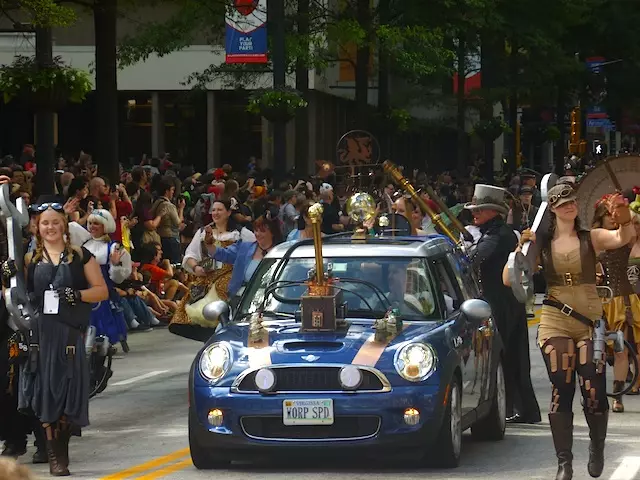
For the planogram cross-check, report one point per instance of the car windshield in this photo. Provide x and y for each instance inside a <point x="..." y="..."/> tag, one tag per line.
<point x="370" y="287"/>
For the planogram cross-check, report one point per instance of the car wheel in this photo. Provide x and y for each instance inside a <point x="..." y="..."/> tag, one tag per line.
<point x="448" y="444"/>
<point x="492" y="427"/>
<point x="201" y="458"/>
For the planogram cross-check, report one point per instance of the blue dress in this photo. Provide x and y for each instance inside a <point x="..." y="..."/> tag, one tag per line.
<point x="108" y="316"/>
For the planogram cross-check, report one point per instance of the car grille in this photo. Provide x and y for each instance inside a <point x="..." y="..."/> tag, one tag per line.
<point x="343" y="428"/>
<point x="311" y="379"/>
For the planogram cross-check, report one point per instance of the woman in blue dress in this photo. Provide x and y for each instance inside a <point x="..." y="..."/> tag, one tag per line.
<point x="115" y="263"/>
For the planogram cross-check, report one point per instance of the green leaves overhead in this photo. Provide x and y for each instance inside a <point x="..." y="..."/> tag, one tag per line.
<point x="40" y="13"/>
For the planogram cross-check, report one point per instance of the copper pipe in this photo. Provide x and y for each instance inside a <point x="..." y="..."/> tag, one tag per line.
<point x="315" y="215"/>
<point x="394" y="171"/>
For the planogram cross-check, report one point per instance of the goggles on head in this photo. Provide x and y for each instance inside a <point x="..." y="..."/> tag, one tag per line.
<point x="58" y="207"/>
<point x="566" y="191"/>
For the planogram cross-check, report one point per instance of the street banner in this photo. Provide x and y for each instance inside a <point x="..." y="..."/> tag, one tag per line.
<point x="246" y="31"/>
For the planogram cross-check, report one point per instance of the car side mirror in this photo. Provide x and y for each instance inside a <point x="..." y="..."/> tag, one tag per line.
<point x="475" y="311"/>
<point x="217" y="311"/>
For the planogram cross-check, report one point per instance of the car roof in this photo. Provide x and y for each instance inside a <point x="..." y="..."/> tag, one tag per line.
<point x="344" y="246"/>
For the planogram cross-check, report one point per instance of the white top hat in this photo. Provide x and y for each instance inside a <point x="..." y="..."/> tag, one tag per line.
<point x="488" y="197"/>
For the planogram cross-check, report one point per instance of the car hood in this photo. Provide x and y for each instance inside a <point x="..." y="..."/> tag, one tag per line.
<point x="284" y="343"/>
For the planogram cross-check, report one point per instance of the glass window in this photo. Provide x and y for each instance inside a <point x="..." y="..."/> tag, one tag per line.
<point x="448" y="286"/>
<point x="370" y="286"/>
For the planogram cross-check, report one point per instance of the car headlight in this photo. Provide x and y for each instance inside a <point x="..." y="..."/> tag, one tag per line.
<point x="415" y="362"/>
<point x="215" y="361"/>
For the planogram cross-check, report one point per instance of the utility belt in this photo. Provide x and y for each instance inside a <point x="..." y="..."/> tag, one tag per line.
<point x="566" y="280"/>
<point x="568" y="311"/>
<point x="33" y="350"/>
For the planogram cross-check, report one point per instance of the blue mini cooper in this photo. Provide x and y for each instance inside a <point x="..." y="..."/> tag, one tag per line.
<point x="412" y="360"/>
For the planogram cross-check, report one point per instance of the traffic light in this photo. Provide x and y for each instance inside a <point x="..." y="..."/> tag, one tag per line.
<point x="575" y="146"/>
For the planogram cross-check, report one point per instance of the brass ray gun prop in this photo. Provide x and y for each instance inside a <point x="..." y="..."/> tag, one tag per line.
<point x="15" y="218"/>
<point x="522" y="265"/>
<point x="453" y="233"/>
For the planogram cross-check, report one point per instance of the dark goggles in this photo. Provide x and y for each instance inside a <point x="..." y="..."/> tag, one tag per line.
<point x="564" y="193"/>
<point x="58" y="207"/>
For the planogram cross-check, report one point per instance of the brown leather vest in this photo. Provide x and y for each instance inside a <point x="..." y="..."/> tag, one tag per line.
<point x="587" y="259"/>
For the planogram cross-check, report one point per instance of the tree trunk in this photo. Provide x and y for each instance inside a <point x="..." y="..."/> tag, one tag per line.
<point x="302" y="84"/>
<point x="106" y="152"/>
<point x="45" y="148"/>
<point x="362" y="64"/>
<point x="384" y="101"/>
<point x="488" y="67"/>
<point x="461" y="53"/>
<point x="513" y="107"/>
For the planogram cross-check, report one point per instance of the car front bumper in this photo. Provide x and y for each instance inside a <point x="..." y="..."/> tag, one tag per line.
<point x="234" y="435"/>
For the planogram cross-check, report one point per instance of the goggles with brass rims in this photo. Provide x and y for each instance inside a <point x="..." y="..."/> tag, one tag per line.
<point x="566" y="193"/>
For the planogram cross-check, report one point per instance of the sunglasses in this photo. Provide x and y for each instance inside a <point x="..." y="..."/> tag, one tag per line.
<point x="58" y="207"/>
<point x="564" y="193"/>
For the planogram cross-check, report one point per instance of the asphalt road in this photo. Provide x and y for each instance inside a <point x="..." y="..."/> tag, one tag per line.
<point x="139" y="431"/>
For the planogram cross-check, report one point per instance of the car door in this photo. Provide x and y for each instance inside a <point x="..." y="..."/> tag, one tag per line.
<point x="482" y="336"/>
<point x="463" y="336"/>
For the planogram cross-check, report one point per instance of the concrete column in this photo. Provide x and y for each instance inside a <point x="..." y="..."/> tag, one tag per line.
<point x="213" y="133"/>
<point x="157" y="125"/>
<point x="498" y="144"/>
<point x="267" y="144"/>
<point x="547" y="157"/>
<point x="291" y="144"/>
<point x="618" y="141"/>
<point x="313" y="152"/>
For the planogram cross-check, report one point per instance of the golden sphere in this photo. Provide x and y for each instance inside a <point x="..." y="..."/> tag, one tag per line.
<point x="361" y="207"/>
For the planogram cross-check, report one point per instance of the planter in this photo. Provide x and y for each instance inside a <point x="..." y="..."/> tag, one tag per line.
<point x="48" y="98"/>
<point x="277" y="114"/>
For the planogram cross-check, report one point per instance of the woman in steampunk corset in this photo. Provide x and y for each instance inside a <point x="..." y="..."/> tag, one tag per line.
<point x="623" y="312"/>
<point x="568" y="257"/>
<point x="210" y="277"/>
<point x="63" y="282"/>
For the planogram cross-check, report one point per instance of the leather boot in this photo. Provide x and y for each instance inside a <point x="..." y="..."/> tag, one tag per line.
<point x="598" y="434"/>
<point x="562" y="432"/>
<point x="618" y="406"/>
<point x="56" y="465"/>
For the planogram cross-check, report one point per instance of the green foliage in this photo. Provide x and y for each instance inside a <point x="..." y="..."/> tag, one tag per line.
<point x="489" y="130"/>
<point x="41" y="13"/>
<point x="276" y="104"/>
<point x="24" y="78"/>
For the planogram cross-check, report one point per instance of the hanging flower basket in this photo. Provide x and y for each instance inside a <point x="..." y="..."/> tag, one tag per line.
<point x="489" y="130"/>
<point x="276" y="105"/>
<point x="51" y="86"/>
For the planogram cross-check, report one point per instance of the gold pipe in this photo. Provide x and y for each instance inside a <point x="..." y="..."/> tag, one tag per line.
<point x="315" y="215"/>
<point x="394" y="171"/>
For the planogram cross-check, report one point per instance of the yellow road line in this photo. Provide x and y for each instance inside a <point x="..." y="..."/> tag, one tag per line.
<point x="167" y="470"/>
<point x="534" y="321"/>
<point x="148" y="466"/>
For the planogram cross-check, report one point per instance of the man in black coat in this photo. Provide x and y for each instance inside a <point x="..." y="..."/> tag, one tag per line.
<point x="489" y="255"/>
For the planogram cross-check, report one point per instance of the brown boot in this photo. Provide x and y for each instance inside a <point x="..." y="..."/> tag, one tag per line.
<point x="562" y="432"/>
<point x="598" y="434"/>
<point x="57" y="468"/>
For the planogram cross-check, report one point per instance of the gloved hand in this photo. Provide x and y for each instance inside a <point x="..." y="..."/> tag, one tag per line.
<point x="69" y="296"/>
<point x="527" y="236"/>
<point x="9" y="269"/>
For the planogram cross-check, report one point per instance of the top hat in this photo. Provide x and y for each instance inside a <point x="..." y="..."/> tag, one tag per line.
<point x="488" y="197"/>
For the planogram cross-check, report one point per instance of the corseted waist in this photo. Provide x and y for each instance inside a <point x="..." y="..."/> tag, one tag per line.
<point x="567" y="279"/>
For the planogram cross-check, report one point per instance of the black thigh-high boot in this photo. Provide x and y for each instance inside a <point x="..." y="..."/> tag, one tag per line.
<point x="598" y="433"/>
<point x="562" y="432"/>
<point x="40" y="456"/>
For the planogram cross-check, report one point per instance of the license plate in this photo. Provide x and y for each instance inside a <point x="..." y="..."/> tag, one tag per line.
<point x="307" y="412"/>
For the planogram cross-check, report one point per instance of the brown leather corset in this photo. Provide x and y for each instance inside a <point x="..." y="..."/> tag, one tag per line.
<point x="615" y="264"/>
<point x="588" y="265"/>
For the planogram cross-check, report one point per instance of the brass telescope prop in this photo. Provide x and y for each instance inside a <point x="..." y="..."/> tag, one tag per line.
<point x="322" y="306"/>
<point x="466" y="234"/>
<point x="397" y="176"/>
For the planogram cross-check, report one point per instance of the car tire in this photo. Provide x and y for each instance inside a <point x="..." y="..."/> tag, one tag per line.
<point x="493" y="426"/>
<point x="202" y="458"/>
<point x="448" y="444"/>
